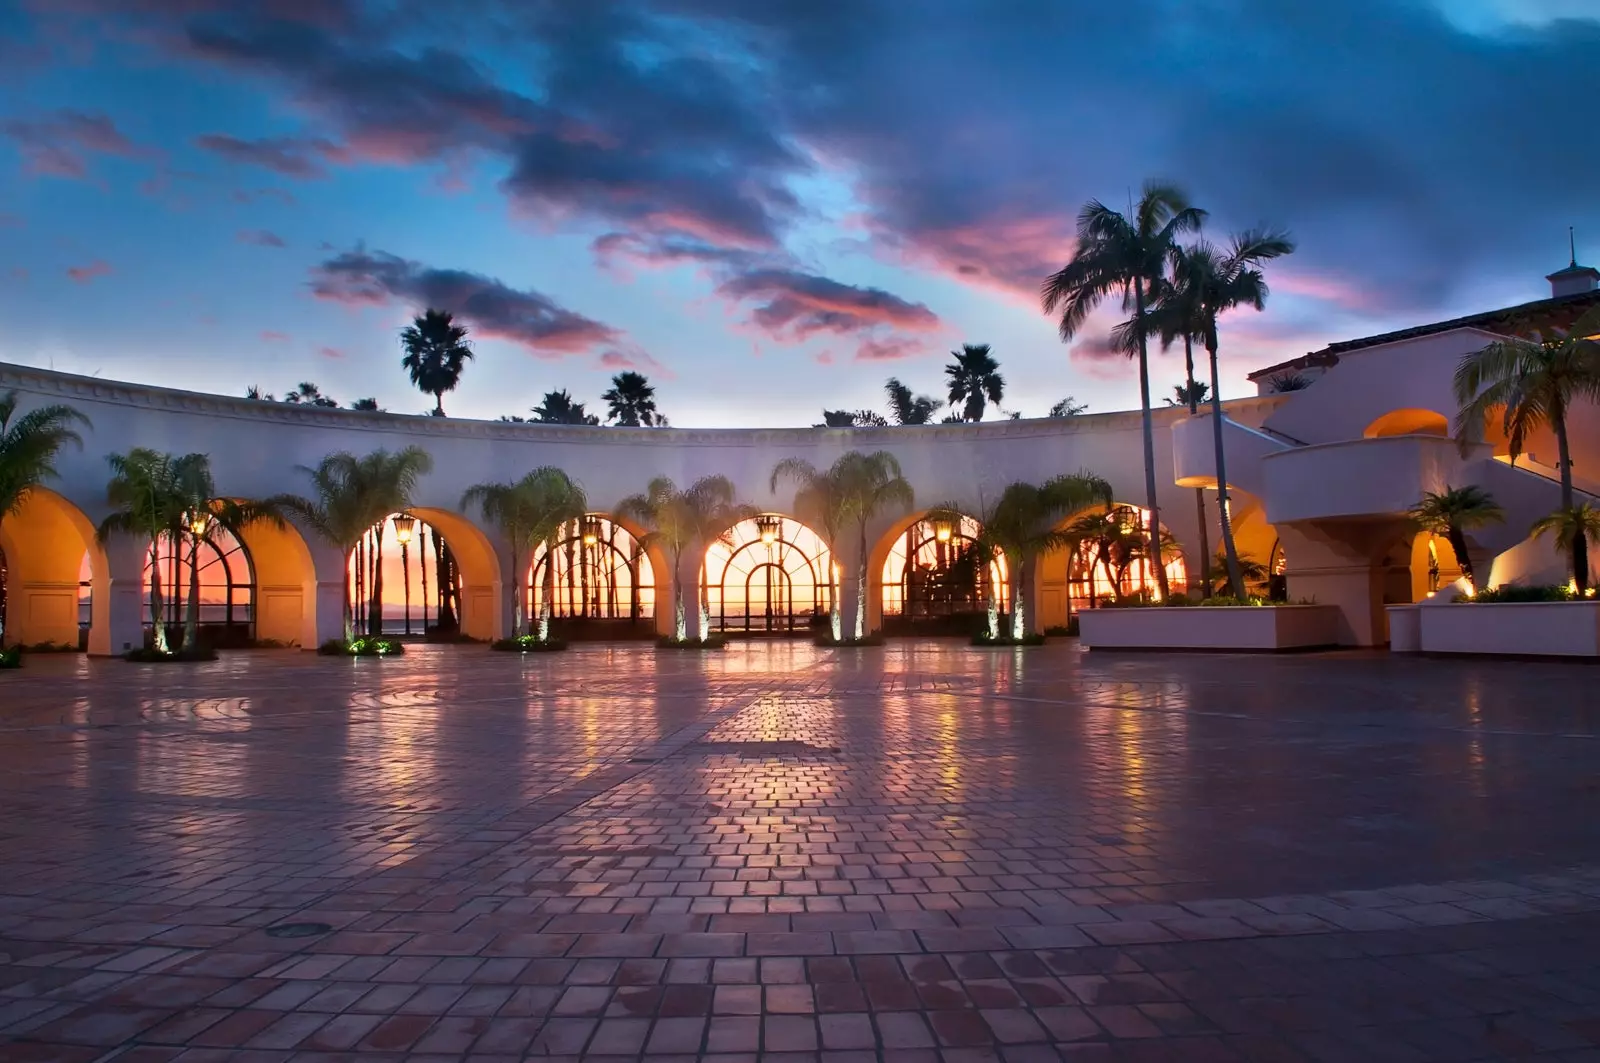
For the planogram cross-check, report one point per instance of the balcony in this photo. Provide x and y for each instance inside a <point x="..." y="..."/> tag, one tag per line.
<point x="1363" y="478"/>
<point x="1194" y="453"/>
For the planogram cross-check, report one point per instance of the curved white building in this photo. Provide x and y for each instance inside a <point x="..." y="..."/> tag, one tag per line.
<point x="1322" y="479"/>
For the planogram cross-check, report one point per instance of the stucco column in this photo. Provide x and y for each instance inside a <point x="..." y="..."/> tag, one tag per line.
<point x="121" y="598"/>
<point x="1341" y="564"/>
<point x="690" y="566"/>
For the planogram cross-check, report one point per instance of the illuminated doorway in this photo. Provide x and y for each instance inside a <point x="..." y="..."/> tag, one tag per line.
<point x="936" y="581"/>
<point x="1112" y="562"/>
<point x="769" y="575"/>
<point x="226" y="583"/>
<point x="403" y="579"/>
<point x="604" y="584"/>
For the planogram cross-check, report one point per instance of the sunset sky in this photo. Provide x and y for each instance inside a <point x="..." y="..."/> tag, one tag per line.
<point x="766" y="206"/>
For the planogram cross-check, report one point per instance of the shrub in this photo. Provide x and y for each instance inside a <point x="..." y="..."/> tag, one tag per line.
<point x="11" y="658"/>
<point x="145" y="655"/>
<point x="1228" y="600"/>
<point x="1514" y="592"/>
<point x="715" y="642"/>
<point x="983" y="639"/>
<point x="528" y="644"/>
<point x="49" y="647"/>
<point x="362" y="646"/>
<point x="874" y="639"/>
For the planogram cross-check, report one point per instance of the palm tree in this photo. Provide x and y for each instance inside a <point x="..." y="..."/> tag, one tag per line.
<point x="1022" y="527"/>
<point x="1533" y="382"/>
<point x="1253" y="572"/>
<point x="255" y="394"/>
<point x="1118" y="540"/>
<point x="1283" y="383"/>
<point x="632" y="401"/>
<point x="305" y="393"/>
<point x="530" y="513"/>
<point x="1116" y="254"/>
<point x="906" y="408"/>
<point x="351" y="496"/>
<point x="1452" y="513"/>
<point x="676" y="519"/>
<point x="557" y="407"/>
<point x="975" y="380"/>
<point x="854" y="489"/>
<point x="148" y="502"/>
<point x="205" y="514"/>
<point x="436" y="352"/>
<point x="1068" y="407"/>
<point x="1191" y="394"/>
<point x="1573" y="527"/>
<point x="369" y="405"/>
<point x="28" y="450"/>
<point x="852" y="419"/>
<point x="1219" y="281"/>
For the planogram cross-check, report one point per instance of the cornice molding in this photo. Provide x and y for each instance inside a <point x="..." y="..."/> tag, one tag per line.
<point x="67" y="387"/>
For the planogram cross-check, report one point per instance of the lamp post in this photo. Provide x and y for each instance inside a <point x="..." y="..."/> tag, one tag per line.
<point x="404" y="528"/>
<point x="770" y="528"/>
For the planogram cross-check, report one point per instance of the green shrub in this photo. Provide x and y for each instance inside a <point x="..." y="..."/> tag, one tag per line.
<point x="362" y="646"/>
<point x="1228" y="600"/>
<point x="145" y="655"/>
<point x="715" y="642"/>
<point x="528" y="644"/>
<point x="11" y="658"/>
<point x="1514" y="592"/>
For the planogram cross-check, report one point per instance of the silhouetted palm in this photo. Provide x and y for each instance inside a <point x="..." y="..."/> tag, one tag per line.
<point x="1191" y="394"/>
<point x="631" y="402"/>
<point x="369" y="405"/>
<point x="1533" y="382"/>
<point x="1068" y="407"/>
<point x="852" y="419"/>
<point x="907" y="408"/>
<point x="854" y="489"/>
<point x="1452" y="513"/>
<point x="1284" y="383"/>
<point x="1128" y="257"/>
<point x="975" y="380"/>
<point x="528" y="513"/>
<point x="305" y="393"/>
<point x="436" y="352"/>
<point x="1573" y="527"/>
<point x="557" y="407"/>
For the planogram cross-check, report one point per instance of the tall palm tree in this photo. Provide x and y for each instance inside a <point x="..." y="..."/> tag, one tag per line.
<point x="530" y="513"/>
<point x="1022" y="527"/>
<point x="28" y="448"/>
<point x="675" y="520"/>
<point x="149" y="503"/>
<point x="436" y="352"/>
<point x="975" y="380"/>
<point x="853" y="490"/>
<point x="557" y="407"/>
<point x="1193" y="392"/>
<point x="351" y="496"/>
<point x="1572" y="527"/>
<point x="1532" y="382"/>
<point x="1219" y="281"/>
<point x="852" y="419"/>
<point x="305" y="393"/>
<point x="205" y="514"/>
<point x="1128" y="256"/>
<point x="1452" y="513"/>
<point x="368" y="405"/>
<point x="631" y="401"/>
<point x="1067" y="407"/>
<point x="907" y="408"/>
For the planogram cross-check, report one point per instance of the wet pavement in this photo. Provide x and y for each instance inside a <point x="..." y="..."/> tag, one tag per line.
<point x="918" y="853"/>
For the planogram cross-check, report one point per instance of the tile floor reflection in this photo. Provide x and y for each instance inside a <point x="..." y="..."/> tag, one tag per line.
<point x="920" y="852"/>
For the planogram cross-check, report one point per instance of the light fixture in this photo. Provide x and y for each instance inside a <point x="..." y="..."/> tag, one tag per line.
<point x="405" y="527"/>
<point x="769" y="526"/>
<point x="942" y="531"/>
<point x="198" y="522"/>
<point x="591" y="530"/>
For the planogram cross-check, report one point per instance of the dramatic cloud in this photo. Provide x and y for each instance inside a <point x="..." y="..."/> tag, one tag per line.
<point x="85" y="274"/>
<point x="797" y="306"/>
<point x="488" y="306"/>
<point x="58" y="145"/>
<point x="260" y="238"/>
<point x="285" y="155"/>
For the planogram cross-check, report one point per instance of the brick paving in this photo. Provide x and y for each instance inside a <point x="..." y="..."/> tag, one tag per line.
<point x="918" y="853"/>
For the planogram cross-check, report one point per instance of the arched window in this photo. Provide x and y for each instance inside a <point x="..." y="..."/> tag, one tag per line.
<point x="227" y="586"/>
<point x="404" y="580"/>
<point x="601" y="573"/>
<point x="1112" y="560"/>
<point x="769" y="574"/>
<point x="936" y="578"/>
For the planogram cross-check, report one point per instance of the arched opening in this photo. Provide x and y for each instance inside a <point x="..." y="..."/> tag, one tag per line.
<point x="1277" y="573"/>
<point x="769" y="574"/>
<point x="49" y="551"/>
<point x="1113" y="562"/>
<point x="937" y="581"/>
<point x="404" y="579"/>
<point x="226" y="588"/>
<point x="603" y="584"/>
<point x="1409" y="422"/>
<point x="1433" y="565"/>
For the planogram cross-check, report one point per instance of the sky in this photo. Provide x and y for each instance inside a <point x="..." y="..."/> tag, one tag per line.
<point x="766" y="208"/>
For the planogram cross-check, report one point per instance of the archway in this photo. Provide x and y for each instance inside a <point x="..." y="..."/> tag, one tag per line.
<point x="49" y="550"/>
<point x="1433" y="565"/>
<point x="227" y="587"/>
<point x="1113" y="562"/>
<point x="404" y="578"/>
<point x="1408" y="422"/>
<point x="604" y="583"/>
<point x="769" y="574"/>
<point x="935" y="580"/>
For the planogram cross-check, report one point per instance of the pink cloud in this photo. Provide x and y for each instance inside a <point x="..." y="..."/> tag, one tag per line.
<point x="1011" y="256"/>
<point x="260" y="238"/>
<point x="1325" y="287"/>
<point x="85" y="274"/>
<point x="303" y="157"/>
<point x="59" y="145"/>
<point x="330" y="352"/>
<point x="273" y="336"/>
<point x="888" y="350"/>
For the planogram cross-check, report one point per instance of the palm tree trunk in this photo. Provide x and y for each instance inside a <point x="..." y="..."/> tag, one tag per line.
<point x="1458" y="543"/>
<point x="680" y="627"/>
<point x="347" y="606"/>
<point x="861" y="586"/>
<point x="158" y="633"/>
<point x="1149" y="436"/>
<point x="1019" y="580"/>
<point x="191" y="616"/>
<point x="438" y="404"/>
<point x="548" y="596"/>
<point x="1224" y="507"/>
<point x="1199" y="492"/>
<point x="375" y="613"/>
<point x="1580" y="541"/>
<point x="516" y="593"/>
<point x="705" y="600"/>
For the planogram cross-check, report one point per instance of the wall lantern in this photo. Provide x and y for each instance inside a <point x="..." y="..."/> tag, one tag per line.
<point x="405" y="528"/>
<point x="770" y="527"/>
<point x="198" y="523"/>
<point x="942" y="531"/>
<point x="591" y="530"/>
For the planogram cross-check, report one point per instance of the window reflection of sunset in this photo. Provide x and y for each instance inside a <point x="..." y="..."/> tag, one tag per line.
<point x="777" y="582"/>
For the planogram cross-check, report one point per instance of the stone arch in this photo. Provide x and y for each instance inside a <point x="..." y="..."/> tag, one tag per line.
<point x="1410" y="421"/>
<point x="481" y="572"/>
<point x="1101" y="567"/>
<point x="286" y="600"/>
<point x="607" y="582"/>
<point x="918" y="571"/>
<point x="769" y="574"/>
<point x="1433" y="565"/>
<point x="45" y="543"/>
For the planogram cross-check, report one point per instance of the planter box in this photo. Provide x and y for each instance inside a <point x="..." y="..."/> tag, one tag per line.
<point x="1522" y="629"/>
<point x="1197" y="627"/>
<point x="1405" y="628"/>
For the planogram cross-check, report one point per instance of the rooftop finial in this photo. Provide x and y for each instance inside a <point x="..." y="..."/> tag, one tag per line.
<point x="1572" y="246"/>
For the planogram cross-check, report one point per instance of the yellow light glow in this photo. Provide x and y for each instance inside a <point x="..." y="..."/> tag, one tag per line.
<point x="198" y="525"/>
<point x="942" y="532"/>
<point x="404" y="529"/>
<point x="769" y="534"/>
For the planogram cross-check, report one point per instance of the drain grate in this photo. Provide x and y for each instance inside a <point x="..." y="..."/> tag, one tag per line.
<point x="298" y="930"/>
